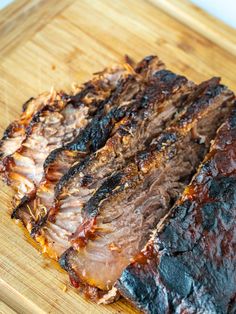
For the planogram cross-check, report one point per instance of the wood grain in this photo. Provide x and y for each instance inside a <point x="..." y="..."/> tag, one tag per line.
<point x="23" y="18"/>
<point x="198" y="20"/>
<point x="45" y="43"/>
<point x="5" y="309"/>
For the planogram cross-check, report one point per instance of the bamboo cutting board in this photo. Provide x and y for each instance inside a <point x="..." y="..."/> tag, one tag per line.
<point x="54" y="43"/>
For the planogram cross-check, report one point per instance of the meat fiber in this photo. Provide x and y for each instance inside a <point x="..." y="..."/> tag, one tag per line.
<point x="100" y="178"/>
<point x="94" y="136"/>
<point x="17" y="130"/>
<point x="120" y="216"/>
<point x="152" y="111"/>
<point x="53" y="127"/>
<point x="189" y="265"/>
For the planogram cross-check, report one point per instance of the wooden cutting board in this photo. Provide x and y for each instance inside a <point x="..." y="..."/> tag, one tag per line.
<point x="57" y="42"/>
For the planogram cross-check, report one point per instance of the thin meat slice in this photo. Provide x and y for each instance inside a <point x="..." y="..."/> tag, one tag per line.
<point x="152" y="111"/>
<point x="119" y="218"/>
<point x="16" y="132"/>
<point x="51" y="128"/>
<point x="189" y="265"/>
<point x="111" y="110"/>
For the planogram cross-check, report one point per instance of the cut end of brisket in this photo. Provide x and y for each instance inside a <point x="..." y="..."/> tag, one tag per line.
<point x="119" y="218"/>
<point x="16" y="132"/>
<point x="100" y="177"/>
<point x="118" y="107"/>
<point x="51" y="132"/>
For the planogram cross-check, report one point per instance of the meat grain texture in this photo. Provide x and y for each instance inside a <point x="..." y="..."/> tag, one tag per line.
<point x="141" y="123"/>
<point x="100" y="177"/>
<point x="54" y="130"/>
<point x="190" y="265"/>
<point x="113" y="109"/>
<point x="119" y="218"/>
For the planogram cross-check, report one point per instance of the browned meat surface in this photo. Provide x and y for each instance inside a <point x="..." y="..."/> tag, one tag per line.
<point x="189" y="265"/>
<point x="100" y="178"/>
<point x="17" y="130"/>
<point x="94" y="136"/>
<point x="152" y="111"/>
<point x="53" y="127"/>
<point x="120" y="216"/>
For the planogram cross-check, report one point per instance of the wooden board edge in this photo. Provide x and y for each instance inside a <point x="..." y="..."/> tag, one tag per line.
<point x="22" y="19"/>
<point x="200" y="21"/>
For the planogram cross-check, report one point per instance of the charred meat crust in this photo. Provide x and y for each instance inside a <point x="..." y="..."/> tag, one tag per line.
<point x="143" y="161"/>
<point x="189" y="265"/>
<point x="161" y="88"/>
<point x="86" y="140"/>
<point x="27" y="121"/>
<point x="40" y="124"/>
<point x="12" y="126"/>
<point x="7" y="133"/>
<point x="26" y="104"/>
<point x="90" y="97"/>
<point x="163" y="85"/>
<point x="167" y="275"/>
<point x="167" y="138"/>
<point x="17" y="124"/>
<point x="95" y="134"/>
<point x="25" y="199"/>
<point x="143" y="64"/>
<point x="165" y="76"/>
<point x="98" y="88"/>
<point x="109" y="113"/>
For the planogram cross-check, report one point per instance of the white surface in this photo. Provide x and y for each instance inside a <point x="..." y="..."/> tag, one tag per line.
<point x="4" y="3"/>
<point x="222" y="9"/>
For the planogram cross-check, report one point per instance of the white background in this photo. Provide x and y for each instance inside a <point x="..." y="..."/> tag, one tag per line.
<point x="3" y="3"/>
<point x="223" y="9"/>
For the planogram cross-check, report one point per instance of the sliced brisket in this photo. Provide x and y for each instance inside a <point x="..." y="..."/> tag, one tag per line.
<point x="120" y="216"/>
<point x="189" y="265"/>
<point x="111" y="110"/>
<point x="152" y="111"/>
<point x="17" y="130"/>
<point x="100" y="179"/>
<point x="52" y="127"/>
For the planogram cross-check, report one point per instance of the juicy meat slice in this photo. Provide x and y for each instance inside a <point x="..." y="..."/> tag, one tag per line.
<point x="189" y="265"/>
<point x="152" y="111"/>
<point x="119" y="218"/>
<point x="53" y="127"/>
<point x="16" y="132"/>
<point x="94" y="136"/>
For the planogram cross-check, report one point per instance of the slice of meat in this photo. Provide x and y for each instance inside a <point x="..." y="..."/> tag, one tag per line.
<point x="119" y="218"/>
<point x="94" y="136"/>
<point x="17" y="130"/>
<point x="52" y="127"/>
<point x="189" y="265"/>
<point x="152" y="111"/>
